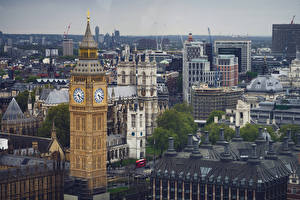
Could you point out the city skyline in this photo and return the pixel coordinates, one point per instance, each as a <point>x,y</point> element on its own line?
<point>144,17</point>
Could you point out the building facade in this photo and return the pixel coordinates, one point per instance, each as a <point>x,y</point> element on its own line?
<point>191,50</point>
<point>236,170</point>
<point>88,117</point>
<point>16,122</point>
<point>285,39</point>
<point>239,48</point>
<point>294,73</point>
<point>226,66</point>
<point>25,177</point>
<point>205,100</point>
<point>67,47</point>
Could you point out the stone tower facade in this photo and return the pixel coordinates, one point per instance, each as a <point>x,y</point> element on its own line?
<point>147,91</point>
<point>136,133</point>
<point>126,71</point>
<point>88,116</point>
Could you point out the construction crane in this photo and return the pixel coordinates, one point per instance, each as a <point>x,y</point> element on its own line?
<point>292,22</point>
<point>67,31</point>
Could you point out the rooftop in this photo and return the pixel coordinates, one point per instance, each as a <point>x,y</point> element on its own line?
<point>13,111</point>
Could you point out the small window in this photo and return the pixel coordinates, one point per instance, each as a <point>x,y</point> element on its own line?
<point>141,133</point>
<point>132,133</point>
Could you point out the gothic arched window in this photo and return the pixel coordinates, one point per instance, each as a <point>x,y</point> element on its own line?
<point>144,78</point>
<point>123,77</point>
<point>131,78</point>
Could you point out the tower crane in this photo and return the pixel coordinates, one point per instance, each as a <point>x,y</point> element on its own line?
<point>67,31</point>
<point>292,22</point>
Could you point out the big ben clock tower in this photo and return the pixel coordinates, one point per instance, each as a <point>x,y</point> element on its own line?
<point>88,116</point>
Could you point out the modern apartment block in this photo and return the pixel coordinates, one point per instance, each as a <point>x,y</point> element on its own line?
<point>227,68</point>
<point>240,48</point>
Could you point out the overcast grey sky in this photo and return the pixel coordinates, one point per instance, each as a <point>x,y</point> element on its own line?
<point>147,17</point>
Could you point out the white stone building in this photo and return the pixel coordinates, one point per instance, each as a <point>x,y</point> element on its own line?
<point>136,130</point>
<point>294,73</point>
<point>191,50</point>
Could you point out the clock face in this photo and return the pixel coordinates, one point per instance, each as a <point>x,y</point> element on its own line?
<point>78,95</point>
<point>99,95</point>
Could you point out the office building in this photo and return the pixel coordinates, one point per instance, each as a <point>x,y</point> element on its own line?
<point>97,34</point>
<point>67,47</point>
<point>51,52</point>
<point>199,72</point>
<point>117,36</point>
<point>204,100</point>
<point>226,67</point>
<point>191,50</point>
<point>285,39</point>
<point>263,64</point>
<point>281,112</point>
<point>240,48</point>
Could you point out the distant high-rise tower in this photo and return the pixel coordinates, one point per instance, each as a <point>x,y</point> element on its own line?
<point>285,39</point>
<point>117,36</point>
<point>67,47</point>
<point>97,34</point>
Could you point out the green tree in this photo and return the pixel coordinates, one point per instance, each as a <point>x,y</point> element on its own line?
<point>31,79</point>
<point>179,83</point>
<point>176,122</point>
<point>214,132</point>
<point>2,72</point>
<point>161,136</point>
<point>61,116</point>
<point>250,132</point>
<point>214,113</point>
<point>251,75</point>
<point>284,130</point>
<point>18,78</point>
<point>22,100</point>
<point>184,108</point>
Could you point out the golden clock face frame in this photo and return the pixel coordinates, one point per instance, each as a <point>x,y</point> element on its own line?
<point>78,95</point>
<point>99,95</point>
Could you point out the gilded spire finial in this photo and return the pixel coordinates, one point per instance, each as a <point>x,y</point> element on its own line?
<point>88,15</point>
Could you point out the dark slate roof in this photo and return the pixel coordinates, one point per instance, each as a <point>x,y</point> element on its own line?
<point>58,97</point>
<point>25,141</point>
<point>13,111</point>
<point>26,166</point>
<point>45,93</point>
<point>235,172</point>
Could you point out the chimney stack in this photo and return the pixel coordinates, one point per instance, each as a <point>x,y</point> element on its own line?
<point>189,147</point>
<point>196,153</point>
<point>171,151</point>
<point>221,140</point>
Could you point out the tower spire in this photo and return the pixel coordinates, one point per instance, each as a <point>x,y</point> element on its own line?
<point>88,16</point>
<point>53,131</point>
